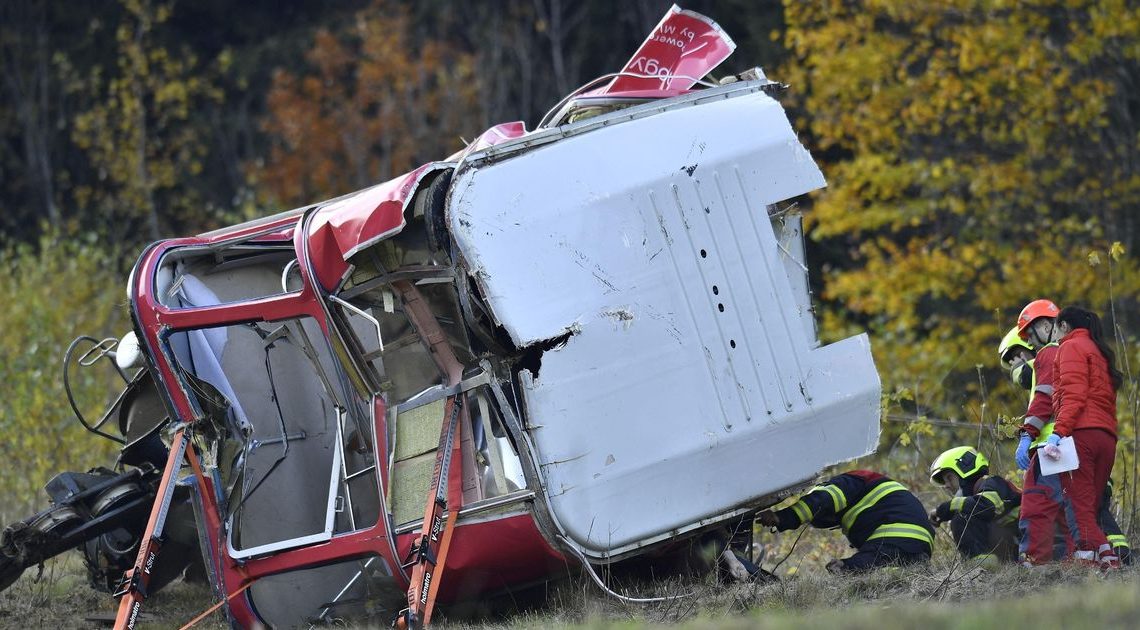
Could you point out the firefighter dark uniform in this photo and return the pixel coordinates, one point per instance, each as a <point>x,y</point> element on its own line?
<point>880,517</point>
<point>983,515</point>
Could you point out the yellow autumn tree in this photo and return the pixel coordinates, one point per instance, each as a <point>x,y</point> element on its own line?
<point>374,102</point>
<point>137,134</point>
<point>979,154</point>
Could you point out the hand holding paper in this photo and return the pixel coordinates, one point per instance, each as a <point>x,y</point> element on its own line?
<point>1060,456</point>
<point>1051,450</point>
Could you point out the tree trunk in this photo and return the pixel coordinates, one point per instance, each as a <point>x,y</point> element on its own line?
<point>27,81</point>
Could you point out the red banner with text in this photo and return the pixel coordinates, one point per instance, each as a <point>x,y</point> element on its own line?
<point>684,47</point>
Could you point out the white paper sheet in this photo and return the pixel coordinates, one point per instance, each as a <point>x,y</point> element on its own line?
<point>1068,460</point>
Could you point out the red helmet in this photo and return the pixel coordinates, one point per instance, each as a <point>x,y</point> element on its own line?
<point>1033,311</point>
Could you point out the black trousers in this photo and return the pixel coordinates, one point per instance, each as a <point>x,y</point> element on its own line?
<point>976,537</point>
<point>886,552</point>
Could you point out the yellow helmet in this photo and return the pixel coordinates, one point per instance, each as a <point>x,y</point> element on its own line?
<point>966,461</point>
<point>1011,340</point>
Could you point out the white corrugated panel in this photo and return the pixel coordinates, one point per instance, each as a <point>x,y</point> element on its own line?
<point>689,385</point>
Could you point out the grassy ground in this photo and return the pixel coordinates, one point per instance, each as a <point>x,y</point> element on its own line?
<point>945,594</point>
<point>60,599</point>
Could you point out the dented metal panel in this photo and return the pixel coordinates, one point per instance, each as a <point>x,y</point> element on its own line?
<point>685,383</point>
<point>351,223</point>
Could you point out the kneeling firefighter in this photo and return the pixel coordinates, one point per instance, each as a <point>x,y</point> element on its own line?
<point>984,509</point>
<point>880,517</point>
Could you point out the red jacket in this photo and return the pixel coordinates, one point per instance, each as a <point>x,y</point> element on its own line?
<point>1083,395</point>
<point>1040,412</point>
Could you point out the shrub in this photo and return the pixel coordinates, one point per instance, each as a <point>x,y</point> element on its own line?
<point>55,290</point>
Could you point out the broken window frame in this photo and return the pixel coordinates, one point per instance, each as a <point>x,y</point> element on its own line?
<point>228,257</point>
<point>339,476</point>
<point>288,303</point>
<point>474,376</point>
<point>154,322</point>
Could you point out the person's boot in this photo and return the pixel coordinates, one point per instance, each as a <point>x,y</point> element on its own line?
<point>1124,553</point>
<point>1084,558</point>
<point>1109,561</point>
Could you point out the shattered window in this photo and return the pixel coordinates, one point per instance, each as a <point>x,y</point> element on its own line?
<point>377,314</point>
<point>491,467</point>
<point>296,429</point>
<point>499,466</point>
<point>388,344</point>
<point>417,405</point>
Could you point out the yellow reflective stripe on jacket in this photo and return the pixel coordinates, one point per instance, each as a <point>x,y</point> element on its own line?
<point>802,510</point>
<point>988,560</point>
<point>995,499</point>
<point>956,504</point>
<point>871,498</point>
<point>1118,540</point>
<point>1010,516</point>
<point>838,499</point>
<point>903,530</point>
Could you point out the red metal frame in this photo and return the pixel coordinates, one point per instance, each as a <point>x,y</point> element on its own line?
<point>475,547</point>
<point>156,322</point>
<point>335,232</point>
<point>498,552</point>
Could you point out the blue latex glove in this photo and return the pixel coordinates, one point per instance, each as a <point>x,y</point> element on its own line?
<point>1022,454</point>
<point>1050,449</point>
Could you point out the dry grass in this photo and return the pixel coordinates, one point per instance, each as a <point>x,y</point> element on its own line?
<point>945,594</point>
<point>60,599</point>
<point>942,595</point>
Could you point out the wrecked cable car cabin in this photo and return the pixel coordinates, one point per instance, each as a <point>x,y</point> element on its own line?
<point>572,346</point>
<point>625,320</point>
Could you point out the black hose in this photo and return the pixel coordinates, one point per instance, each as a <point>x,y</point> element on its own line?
<point>71,397</point>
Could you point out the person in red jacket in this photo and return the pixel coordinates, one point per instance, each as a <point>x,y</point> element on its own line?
<point>1017,356</point>
<point>1085,380</point>
<point>1043,504</point>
